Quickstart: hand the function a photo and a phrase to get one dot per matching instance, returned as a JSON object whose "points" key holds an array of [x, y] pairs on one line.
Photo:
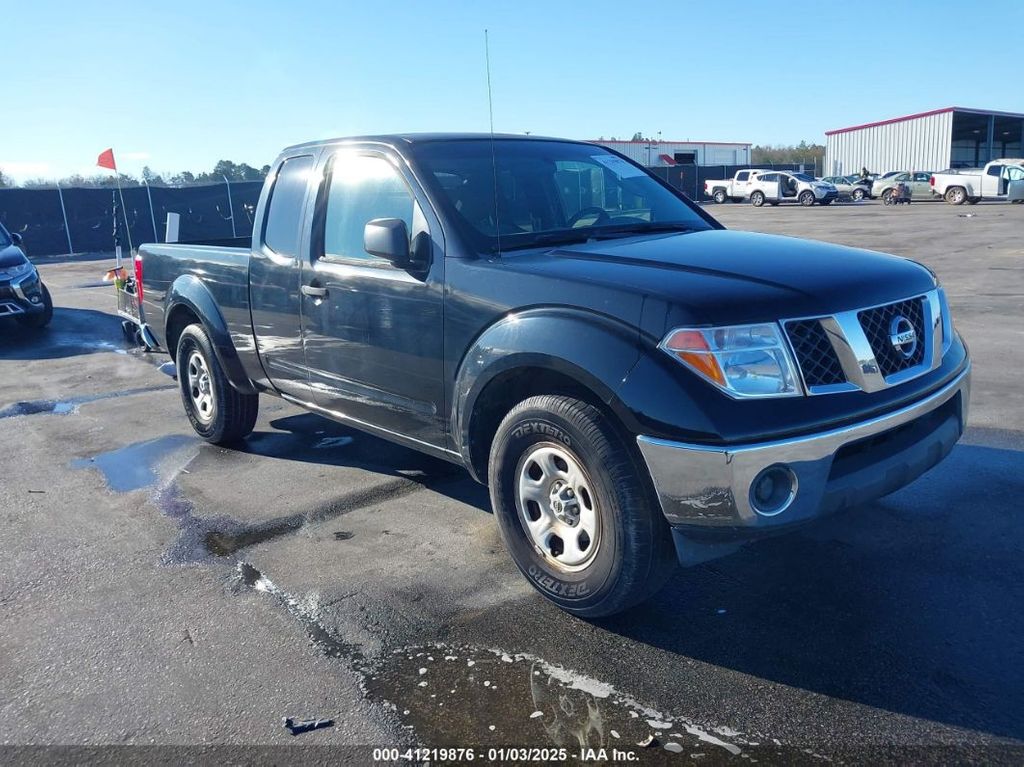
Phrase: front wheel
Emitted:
{"points": [[41, 319], [219, 413], [887, 197], [575, 508], [857, 195], [757, 199], [720, 196], [806, 199]]}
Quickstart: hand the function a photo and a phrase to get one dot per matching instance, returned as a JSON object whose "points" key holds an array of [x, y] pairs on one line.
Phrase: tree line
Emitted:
{"points": [[223, 169]]}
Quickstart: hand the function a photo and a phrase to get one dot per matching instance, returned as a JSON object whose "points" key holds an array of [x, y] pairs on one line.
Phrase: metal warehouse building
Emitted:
{"points": [[953, 137], [663, 154]]}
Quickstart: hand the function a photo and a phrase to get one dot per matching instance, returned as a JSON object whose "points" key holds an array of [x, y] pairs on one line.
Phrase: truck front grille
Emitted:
{"points": [[876, 325], [814, 353]]}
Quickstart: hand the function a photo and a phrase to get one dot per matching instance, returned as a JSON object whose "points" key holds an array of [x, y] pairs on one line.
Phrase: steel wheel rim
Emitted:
{"points": [[557, 507], [200, 388]]}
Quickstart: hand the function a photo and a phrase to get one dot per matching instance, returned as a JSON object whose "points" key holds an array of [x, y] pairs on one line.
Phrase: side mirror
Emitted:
{"points": [[387, 238], [16, 239]]}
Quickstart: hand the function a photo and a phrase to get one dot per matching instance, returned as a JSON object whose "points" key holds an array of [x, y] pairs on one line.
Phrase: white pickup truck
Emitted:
{"points": [[736, 189], [999, 180]]}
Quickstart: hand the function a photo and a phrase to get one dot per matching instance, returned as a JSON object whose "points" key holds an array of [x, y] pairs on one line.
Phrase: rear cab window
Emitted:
{"points": [[283, 223]]}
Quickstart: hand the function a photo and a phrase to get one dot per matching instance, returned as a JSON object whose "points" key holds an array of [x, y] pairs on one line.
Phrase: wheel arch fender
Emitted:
{"points": [[188, 296], [591, 351]]}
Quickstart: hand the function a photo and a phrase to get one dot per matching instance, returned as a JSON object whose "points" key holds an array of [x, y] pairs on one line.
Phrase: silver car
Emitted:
{"points": [[918, 182], [850, 187]]}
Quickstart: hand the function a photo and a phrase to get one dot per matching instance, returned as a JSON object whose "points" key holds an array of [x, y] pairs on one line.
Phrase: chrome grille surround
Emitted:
{"points": [[854, 337]]}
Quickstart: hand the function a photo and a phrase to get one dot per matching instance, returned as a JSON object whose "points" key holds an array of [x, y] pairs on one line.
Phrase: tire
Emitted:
{"points": [[857, 195], [719, 196], [806, 198], [956, 195], [39, 320], [217, 411], [887, 197], [757, 199], [627, 554]]}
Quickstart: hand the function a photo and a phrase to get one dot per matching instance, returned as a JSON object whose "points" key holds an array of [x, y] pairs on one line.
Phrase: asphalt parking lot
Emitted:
{"points": [[158, 590]]}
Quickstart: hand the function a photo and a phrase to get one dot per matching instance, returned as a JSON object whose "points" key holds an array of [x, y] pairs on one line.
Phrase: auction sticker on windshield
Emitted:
{"points": [[618, 166]]}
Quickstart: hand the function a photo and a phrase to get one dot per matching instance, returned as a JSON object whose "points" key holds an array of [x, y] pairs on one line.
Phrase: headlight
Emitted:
{"points": [[741, 360], [13, 272]]}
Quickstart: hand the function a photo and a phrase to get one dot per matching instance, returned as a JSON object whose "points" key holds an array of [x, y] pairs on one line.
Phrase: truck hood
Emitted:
{"points": [[721, 277], [11, 256]]}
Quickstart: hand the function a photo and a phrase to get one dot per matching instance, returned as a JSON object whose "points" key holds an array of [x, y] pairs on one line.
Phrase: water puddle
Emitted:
{"points": [[140, 464], [70, 406], [452, 696]]}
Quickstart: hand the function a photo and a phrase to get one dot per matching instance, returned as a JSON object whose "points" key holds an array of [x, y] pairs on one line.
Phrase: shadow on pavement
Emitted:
{"points": [[912, 605], [71, 333]]}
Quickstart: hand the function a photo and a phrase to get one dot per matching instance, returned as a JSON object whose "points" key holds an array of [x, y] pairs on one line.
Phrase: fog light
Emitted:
{"points": [[34, 299], [773, 490]]}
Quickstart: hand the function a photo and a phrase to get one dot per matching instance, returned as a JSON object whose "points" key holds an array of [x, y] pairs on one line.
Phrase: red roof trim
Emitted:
{"points": [[655, 142], [667, 158], [919, 115]]}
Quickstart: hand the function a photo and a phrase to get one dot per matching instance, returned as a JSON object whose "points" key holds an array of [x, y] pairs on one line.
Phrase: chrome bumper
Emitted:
{"points": [[704, 487]]}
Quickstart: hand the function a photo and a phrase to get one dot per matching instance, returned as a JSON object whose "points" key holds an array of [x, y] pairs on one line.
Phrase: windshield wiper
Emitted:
{"points": [[587, 233], [643, 227]]}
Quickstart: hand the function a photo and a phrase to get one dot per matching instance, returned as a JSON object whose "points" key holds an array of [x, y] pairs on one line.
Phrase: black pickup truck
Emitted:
{"points": [[636, 385]]}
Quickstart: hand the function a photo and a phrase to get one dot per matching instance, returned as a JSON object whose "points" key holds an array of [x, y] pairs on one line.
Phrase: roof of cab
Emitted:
{"points": [[395, 139]]}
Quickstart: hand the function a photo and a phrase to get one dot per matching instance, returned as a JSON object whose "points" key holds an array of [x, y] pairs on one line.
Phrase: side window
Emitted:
{"points": [[994, 170], [902, 177], [1015, 174], [284, 213], [361, 189], [742, 175], [922, 176]]}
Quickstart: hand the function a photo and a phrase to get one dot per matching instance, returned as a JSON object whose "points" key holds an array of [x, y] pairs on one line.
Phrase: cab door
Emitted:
{"points": [[992, 181], [741, 184], [275, 274], [373, 332]]}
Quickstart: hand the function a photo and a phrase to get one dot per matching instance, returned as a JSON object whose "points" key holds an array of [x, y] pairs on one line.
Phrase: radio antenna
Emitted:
{"points": [[494, 159]]}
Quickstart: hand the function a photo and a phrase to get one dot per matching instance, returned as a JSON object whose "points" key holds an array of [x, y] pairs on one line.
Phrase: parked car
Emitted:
{"points": [[635, 384], [23, 295], [850, 187], [917, 181], [774, 187], [735, 189], [992, 182]]}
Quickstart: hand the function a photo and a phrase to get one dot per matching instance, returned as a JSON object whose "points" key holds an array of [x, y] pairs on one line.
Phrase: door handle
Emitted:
{"points": [[313, 291]]}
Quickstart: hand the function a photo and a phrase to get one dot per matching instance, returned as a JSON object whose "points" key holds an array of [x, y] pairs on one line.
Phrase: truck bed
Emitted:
{"points": [[223, 270]]}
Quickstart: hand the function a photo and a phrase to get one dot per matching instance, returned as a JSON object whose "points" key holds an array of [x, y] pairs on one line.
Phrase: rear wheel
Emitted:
{"points": [[219, 413], [806, 198], [39, 319], [887, 197], [575, 509], [956, 195], [757, 199], [719, 196]]}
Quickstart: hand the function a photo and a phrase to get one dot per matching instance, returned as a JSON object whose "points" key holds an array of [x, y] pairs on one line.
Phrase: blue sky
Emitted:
{"points": [[181, 85]]}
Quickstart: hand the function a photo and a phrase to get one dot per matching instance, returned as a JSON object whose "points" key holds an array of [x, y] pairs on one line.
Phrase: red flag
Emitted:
{"points": [[106, 160]]}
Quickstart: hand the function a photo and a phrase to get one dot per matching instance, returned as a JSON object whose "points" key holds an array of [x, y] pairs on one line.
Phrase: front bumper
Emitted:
{"points": [[709, 489], [16, 296]]}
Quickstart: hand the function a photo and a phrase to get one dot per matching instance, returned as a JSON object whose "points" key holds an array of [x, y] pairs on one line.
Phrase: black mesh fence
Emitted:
{"points": [[689, 179], [206, 214]]}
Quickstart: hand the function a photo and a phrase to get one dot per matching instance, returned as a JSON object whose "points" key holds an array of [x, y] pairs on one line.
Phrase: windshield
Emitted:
{"points": [[5, 239], [532, 193]]}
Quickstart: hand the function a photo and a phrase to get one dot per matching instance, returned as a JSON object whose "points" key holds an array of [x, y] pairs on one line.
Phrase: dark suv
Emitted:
{"points": [[22, 292]]}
